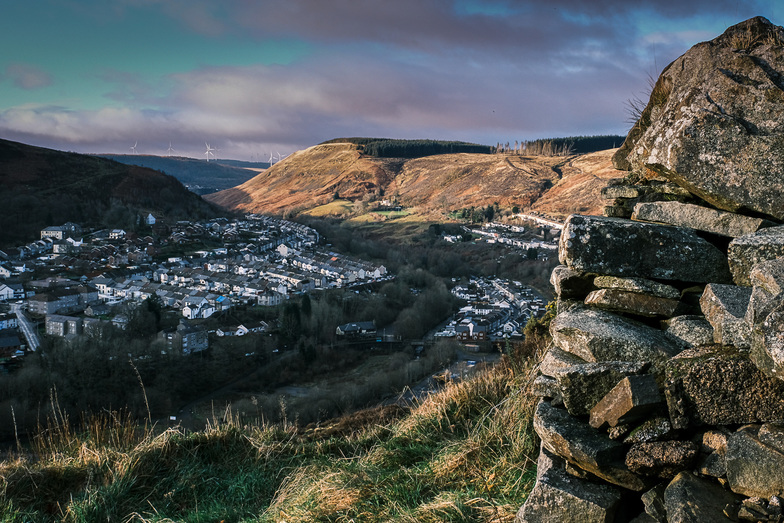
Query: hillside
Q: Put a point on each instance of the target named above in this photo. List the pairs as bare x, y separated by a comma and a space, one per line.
199, 176
41, 187
431, 185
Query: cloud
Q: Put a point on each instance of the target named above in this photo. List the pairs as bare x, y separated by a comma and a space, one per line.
28, 77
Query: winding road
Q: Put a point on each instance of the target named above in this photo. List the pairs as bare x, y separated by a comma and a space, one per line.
27, 327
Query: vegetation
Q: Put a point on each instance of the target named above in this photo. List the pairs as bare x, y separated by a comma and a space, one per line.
466, 453
563, 146
391, 148
41, 187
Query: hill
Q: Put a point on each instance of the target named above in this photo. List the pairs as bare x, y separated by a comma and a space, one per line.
431, 185
41, 187
199, 176
464, 453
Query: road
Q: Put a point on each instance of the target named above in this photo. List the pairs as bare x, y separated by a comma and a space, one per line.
27, 327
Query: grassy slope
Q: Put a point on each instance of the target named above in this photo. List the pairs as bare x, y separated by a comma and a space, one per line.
464, 454
432, 185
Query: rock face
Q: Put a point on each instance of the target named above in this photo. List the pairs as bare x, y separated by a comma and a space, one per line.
713, 122
688, 398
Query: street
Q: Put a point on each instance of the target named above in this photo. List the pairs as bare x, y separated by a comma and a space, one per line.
27, 328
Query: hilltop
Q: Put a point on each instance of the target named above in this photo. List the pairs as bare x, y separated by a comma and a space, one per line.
431, 185
41, 187
199, 176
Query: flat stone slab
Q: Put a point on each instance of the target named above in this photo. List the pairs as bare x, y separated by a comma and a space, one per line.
584, 447
689, 499
582, 386
697, 217
611, 192
724, 306
638, 285
631, 399
618, 247
691, 330
595, 335
755, 461
720, 386
631, 303
654, 429
661, 459
747, 251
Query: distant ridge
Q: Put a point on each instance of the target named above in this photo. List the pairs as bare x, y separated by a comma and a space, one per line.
434, 184
199, 176
41, 187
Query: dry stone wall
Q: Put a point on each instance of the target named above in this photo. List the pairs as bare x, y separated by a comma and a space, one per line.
662, 393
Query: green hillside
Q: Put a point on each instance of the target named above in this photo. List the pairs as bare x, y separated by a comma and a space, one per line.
466, 453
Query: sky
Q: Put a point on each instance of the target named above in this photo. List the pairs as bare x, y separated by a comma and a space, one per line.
253, 78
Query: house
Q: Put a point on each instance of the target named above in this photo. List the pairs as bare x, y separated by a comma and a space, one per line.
10, 344
54, 232
185, 337
8, 320
117, 234
6, 292
58, 325
360, 329
150, 220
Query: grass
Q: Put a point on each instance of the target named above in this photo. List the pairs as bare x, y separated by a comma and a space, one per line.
466, 453
333, 208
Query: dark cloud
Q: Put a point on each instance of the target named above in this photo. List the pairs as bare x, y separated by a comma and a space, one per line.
28, 77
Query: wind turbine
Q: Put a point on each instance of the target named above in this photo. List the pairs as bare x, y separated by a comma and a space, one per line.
133, 147
271, 158
209, 152
170, 150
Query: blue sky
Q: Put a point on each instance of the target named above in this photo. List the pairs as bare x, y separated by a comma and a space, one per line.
255, 77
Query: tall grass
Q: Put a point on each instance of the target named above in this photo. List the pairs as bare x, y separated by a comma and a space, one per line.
465, 453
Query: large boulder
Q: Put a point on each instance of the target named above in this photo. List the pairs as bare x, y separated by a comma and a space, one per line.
713, 123
724, 306
720, 386
689, 499
596, 336
618, 247
747, 251
755, 461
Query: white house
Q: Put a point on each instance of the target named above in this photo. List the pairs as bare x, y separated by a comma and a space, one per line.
150, 220
6, 292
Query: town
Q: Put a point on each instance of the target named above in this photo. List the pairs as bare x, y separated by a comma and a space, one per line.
72, 282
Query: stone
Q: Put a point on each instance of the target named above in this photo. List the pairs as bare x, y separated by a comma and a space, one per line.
712, 123
691, 330
654, 503
570, 284
611, 192
631, 399
715, 440
618, 247
546, 387
767, 280
754, 468
689, 499
661, 459
713, 464
559, 497
638, 285
556, 361
582, 386
616, 211
753, 509
631, 303
747, 251
583, 446
698, 217
767, 343
595, 335
724, 306
720, 386
654, 429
